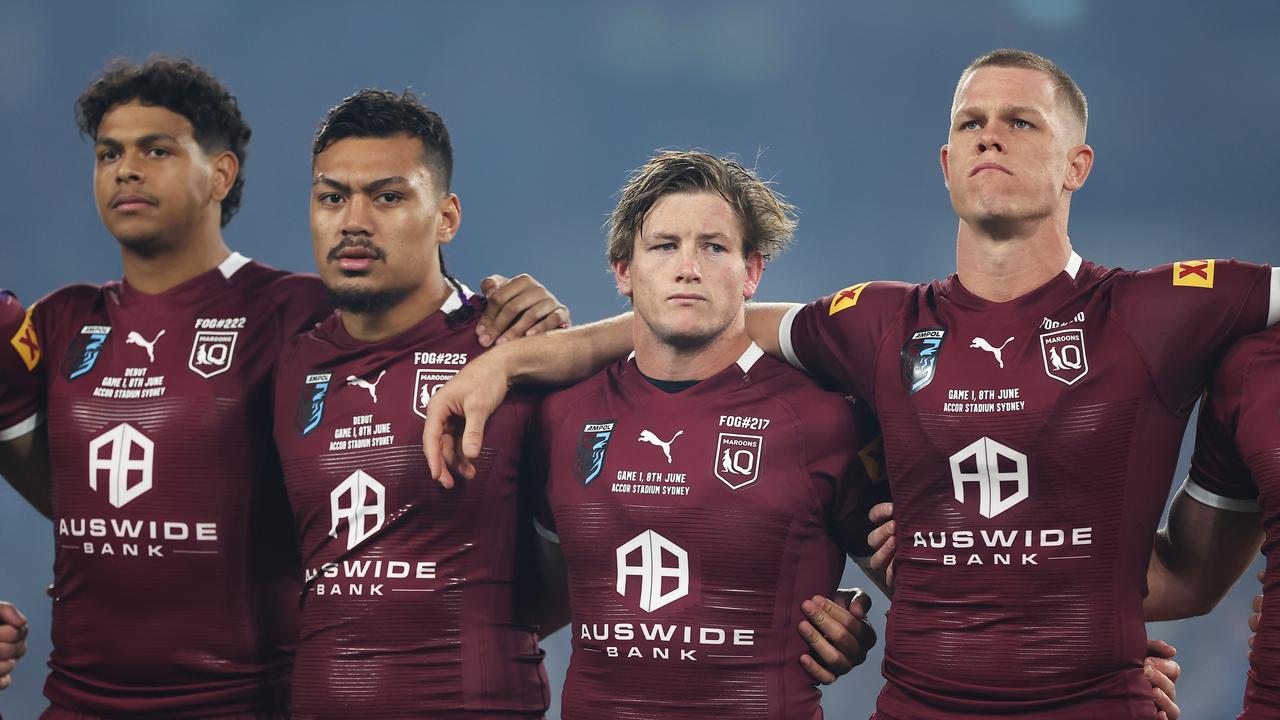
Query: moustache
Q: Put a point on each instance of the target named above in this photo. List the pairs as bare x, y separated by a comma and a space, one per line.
374, 251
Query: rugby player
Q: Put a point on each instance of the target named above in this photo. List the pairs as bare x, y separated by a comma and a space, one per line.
413, 595
699, 490
1032, 405
1227, 508
167, 498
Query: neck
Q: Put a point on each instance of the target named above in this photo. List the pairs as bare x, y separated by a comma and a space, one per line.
157, 272
376, 327
662, 361
1004, 264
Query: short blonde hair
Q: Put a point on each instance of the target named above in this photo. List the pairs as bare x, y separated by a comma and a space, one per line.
1068, 91
768, 221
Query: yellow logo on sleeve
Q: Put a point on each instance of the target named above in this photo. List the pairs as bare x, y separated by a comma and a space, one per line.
1193, 273
26, 343
846, 298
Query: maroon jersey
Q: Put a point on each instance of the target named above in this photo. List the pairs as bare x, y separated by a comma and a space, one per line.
693, 525
1236, 466
20, 386
411, 590
1029, 445
175, 575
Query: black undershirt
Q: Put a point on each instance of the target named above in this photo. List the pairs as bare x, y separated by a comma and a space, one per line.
670, 386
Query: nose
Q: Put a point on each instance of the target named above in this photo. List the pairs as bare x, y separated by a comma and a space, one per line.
990, 141
689, 270
129, 169
356, 218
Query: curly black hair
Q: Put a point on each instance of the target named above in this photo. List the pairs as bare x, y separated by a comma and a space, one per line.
380, 114
179, 85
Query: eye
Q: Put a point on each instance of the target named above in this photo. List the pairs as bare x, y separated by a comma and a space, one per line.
1022, 125
329, 198
969, 125
717, 248
107, 155
386, 198
158, 152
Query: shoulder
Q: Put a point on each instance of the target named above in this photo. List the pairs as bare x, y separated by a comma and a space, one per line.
558, 406
72, 296
1238, 363
1204, 274
871, 296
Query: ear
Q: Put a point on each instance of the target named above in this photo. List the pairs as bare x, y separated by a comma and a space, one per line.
943, 160
755, 270
450, 219
622, 276
223, 170
1081, 162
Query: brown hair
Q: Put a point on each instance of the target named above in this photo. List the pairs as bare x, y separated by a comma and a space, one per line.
768, 221
1068, 91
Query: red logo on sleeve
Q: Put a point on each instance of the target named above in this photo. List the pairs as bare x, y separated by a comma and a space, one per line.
26, 343
1193, 273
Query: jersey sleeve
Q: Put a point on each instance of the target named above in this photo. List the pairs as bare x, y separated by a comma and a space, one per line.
1219, 476
537, 472
844, 461
1184, 316
21, 385
835, 338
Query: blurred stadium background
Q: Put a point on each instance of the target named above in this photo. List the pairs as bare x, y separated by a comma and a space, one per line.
550, 103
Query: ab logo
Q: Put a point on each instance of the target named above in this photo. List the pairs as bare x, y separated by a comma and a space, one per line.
652, 570
980, 463
362, 502
122, 459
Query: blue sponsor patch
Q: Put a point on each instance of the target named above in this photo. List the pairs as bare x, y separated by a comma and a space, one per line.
920, 358
85, 349
591, 448
315, 388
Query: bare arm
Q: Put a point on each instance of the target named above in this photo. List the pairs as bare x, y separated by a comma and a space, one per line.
1197, 557
557, 358
763, 322
24, 462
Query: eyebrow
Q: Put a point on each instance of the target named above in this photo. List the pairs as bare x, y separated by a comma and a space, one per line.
660, 235
1002, 110
144, 140
371, 187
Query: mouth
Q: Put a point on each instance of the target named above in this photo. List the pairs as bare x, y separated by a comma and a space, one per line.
354, 258
686, 298
132, 203
989, 166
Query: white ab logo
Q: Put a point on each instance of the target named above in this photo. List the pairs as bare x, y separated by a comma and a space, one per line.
129, 455
986, 454
652, 571
355, 510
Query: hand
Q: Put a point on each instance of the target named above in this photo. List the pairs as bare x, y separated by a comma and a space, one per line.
1163, 672
517, 308
471, 396
13, 641
882, 540
838, 634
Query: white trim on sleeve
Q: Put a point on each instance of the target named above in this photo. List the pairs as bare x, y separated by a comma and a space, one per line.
16, 431
1214, 500
1273, 312
546, 534
784, 338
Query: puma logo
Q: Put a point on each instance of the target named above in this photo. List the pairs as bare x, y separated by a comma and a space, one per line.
982, 344
372, 387
150, 346
648, 437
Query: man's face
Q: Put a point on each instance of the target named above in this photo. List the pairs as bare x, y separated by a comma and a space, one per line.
687, 277
152, 181
377, 218
1011, 146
